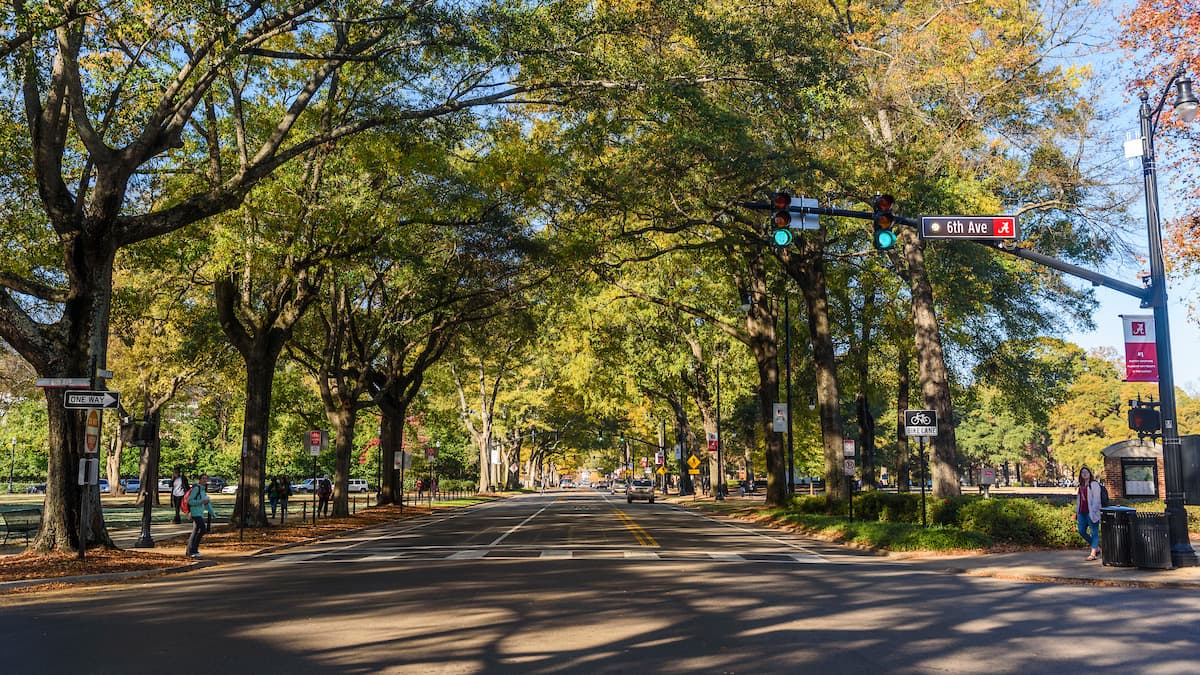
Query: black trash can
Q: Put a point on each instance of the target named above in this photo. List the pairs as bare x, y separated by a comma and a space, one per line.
1151, 541
1116, 535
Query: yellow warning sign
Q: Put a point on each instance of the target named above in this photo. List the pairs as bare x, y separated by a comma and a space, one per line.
662, 470
693, 462
693, 472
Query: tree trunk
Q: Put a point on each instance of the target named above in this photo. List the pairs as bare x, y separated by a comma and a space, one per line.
391, 440
903, 366
809, 272
760, 330
342, 420
260, 379
862, 400
683, 438
931, 362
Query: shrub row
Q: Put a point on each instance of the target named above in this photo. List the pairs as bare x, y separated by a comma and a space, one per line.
1025, 522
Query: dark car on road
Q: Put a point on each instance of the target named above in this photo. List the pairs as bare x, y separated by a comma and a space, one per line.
641, 488
216, 484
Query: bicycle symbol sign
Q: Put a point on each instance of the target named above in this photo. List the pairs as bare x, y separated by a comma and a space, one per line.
920, 423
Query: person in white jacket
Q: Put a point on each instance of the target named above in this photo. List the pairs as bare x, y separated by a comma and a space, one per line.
1087, 511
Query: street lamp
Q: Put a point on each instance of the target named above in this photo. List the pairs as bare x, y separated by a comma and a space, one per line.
12, 464
1182, 554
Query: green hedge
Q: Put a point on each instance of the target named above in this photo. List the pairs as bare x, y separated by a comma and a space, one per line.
1016, 521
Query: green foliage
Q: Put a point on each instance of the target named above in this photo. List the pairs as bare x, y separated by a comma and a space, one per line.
1024, 522
891, 536
888, 507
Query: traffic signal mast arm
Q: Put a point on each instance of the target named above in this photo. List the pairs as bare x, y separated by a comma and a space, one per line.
1140, 292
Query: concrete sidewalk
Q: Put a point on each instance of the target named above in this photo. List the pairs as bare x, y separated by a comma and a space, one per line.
1055, 566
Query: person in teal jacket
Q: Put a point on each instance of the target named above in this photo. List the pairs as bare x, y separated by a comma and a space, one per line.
198, 508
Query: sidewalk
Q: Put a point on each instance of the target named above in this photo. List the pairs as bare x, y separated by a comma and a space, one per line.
1062, 566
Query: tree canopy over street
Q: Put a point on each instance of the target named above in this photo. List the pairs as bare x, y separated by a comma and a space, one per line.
512, 238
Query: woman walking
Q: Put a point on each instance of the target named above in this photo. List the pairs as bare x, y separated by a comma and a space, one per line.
1087, 511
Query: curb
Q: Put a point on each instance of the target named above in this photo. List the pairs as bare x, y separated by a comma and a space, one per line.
1076, 581
113, 576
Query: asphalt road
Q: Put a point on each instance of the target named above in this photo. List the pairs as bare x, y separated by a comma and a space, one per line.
583, 582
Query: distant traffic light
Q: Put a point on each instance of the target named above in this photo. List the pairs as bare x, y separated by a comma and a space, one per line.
1144, 417
883, 236
781, 219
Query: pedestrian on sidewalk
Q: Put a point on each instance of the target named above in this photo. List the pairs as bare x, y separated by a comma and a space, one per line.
198, 508
1087, 511
179, 488
324, 492
273, 495
285, 493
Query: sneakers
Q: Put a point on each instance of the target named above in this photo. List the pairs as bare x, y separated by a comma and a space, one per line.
195, 556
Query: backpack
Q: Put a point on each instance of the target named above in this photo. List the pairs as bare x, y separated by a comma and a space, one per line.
1103, 496
183, 503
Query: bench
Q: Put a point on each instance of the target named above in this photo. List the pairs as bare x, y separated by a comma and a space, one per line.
25, 521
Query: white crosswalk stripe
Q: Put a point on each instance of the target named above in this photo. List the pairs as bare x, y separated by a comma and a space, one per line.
376, 555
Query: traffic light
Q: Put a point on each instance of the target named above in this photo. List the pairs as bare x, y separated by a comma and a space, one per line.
883, 237
781, 219
1144, 417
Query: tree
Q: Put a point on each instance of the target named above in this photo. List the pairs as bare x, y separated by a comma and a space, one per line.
121, 98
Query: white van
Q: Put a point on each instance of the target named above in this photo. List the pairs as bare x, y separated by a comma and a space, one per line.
357, 485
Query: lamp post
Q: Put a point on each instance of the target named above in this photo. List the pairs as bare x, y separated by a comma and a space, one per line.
1182, 554
12, 464
720, 482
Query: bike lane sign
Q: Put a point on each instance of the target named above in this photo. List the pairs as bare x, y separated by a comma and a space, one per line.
920, 423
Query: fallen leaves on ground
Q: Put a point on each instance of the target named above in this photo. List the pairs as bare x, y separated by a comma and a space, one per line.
222, 539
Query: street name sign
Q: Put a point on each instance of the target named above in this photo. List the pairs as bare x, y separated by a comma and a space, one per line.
91, 400
63, 382
920, 423
1003, 228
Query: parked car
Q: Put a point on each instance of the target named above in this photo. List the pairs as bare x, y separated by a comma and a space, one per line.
131, 484
229, 489
216, 484
358, 485
304, 487
640, 488
36, 489
164, 485
103, 486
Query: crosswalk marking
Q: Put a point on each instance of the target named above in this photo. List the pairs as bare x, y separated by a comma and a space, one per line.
427, 554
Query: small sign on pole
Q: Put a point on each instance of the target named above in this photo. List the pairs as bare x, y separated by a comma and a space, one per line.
920, 423
317, 441
713, 442
848, 447
848, 467
91, 433
401, 460
779, 422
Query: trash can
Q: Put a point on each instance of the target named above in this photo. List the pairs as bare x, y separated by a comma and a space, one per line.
1116, 536
1151, 541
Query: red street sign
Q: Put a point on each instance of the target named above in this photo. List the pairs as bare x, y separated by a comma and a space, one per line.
969, 227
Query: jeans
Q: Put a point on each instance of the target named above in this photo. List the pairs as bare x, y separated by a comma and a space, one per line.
199, 528
1084, 521
176, 502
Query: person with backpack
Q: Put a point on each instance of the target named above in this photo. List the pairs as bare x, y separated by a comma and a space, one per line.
324, 492
197, 508
179, 488
273, 495
1087, 511
285, 493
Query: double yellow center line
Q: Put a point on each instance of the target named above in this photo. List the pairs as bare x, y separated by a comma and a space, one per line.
638, 532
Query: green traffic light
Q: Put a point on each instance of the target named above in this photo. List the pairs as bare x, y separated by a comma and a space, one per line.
884, 239
782, 237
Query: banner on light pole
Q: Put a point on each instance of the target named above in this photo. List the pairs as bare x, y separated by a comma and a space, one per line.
1141, 350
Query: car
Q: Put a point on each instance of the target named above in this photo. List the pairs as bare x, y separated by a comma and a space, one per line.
640, 488
229, 489
164, 484
216, 484
358, 485
566, 484
131, 484
38, 489
103, 486
616, 486
304, 487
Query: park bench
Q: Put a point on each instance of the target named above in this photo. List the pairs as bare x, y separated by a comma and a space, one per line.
25, 521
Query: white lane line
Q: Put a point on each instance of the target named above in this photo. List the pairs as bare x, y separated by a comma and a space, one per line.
475, 554
518, 526
556, 554
727, 557
641, 555
754, 532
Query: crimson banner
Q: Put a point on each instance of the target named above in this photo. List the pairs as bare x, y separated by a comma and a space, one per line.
1141, 352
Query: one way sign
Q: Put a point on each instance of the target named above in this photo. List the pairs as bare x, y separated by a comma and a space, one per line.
90, 400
